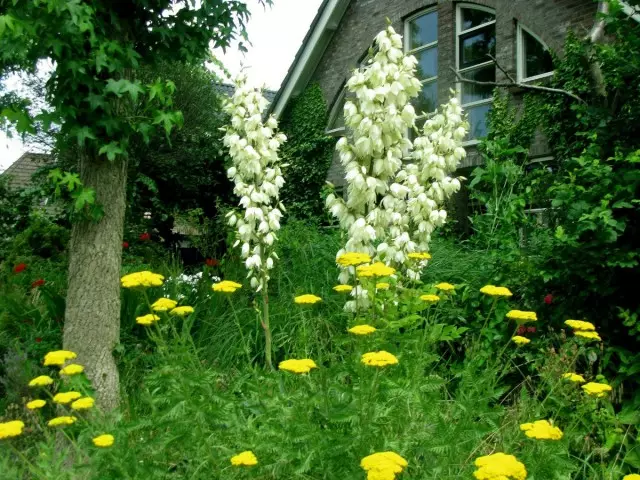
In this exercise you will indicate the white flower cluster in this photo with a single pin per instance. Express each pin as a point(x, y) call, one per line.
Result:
point(253, 146)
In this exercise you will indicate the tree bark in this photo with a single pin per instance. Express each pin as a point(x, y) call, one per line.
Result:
point(92, 316)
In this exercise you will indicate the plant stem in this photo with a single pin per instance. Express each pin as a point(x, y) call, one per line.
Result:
point(245, 345)
point(265, 325)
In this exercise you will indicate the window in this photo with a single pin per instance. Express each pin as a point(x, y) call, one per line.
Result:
point(475, 41)
point(421, 41)
point(534, 58)
point(335, 126)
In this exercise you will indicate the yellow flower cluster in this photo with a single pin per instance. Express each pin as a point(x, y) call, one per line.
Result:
point(64, 420)
point(362, 330)
point(11, 429)
point(103, 441)
point(41, 381)
point(522, 316)
point(307, 299)
point(350, 259)
point(520, 340)
point(494, 291)
point(430, 298)
point(66, 397)
point(244, 459)
point(598, 390)
point(35, 404)
point(182, 311)
point(382, 286)
point(574, 377)
point(72, 369)
point(163, 305)
point(297, 366)
point(445, 287)
point(147, 319)
point(419, 256)
point(377, 269)
point(343, 288)
point(541, 430)
point(226, 286)
point(499, 466)
point(588, 335)
point(379, 359)
point(581, 325)
point(83, 404)
point(632, 476)
point(383, 465)
point(59, 357)
point(142, 279)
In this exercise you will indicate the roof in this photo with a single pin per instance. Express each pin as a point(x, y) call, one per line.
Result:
point(310, 52)
point(24, 167)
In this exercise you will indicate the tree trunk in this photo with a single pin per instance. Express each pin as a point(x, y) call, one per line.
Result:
point(92, 316)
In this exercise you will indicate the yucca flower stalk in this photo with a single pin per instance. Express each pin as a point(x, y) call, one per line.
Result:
point(253, 146)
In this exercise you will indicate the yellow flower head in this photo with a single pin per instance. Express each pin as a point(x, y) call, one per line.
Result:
point(84, 403)
point(377, 269)
point(142, 279)
point(445, 287)
point(382, 286)
point(147, 319)
point(541, 430)
point(163, 305)
point(297, 366)
point(574, 377)
point(66, 420)
point(307, 299)
point(244, 459)
point(66, 397)
point(419, 256)
point(588, 335)
point(41, 381)
point(632, 476)
point(430, 298)
point(522, 316)
point(103, 441)
point(35, 404)
point(598, 390)
point(182, 311)
point(343, 288)
point(350, 259)
point(59, 357)
point(383, 465)
point(520, 340)
point(72, 369)
point(379, 359)
point(581, 325)
point(11, 429)
point(226, 286)
point(494, 291)
point(362, 330)
point(499, 466)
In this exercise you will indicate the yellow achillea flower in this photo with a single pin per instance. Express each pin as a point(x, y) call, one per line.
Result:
point(632, 476)
point(297, 366)
point(362, 329)
point(83, 404)
point(226, 286)
point(419, 256)
point(72, 369)
point(35, 404)
point(382, 286)
point(350, 259)
point(163, 304)
point(41, 381)
point(430, 298)
point(598, 390)
point(494, 291)
point(522, 316)
point(383, 465)
point(182, 311)
point(520, 340)
point(147, 319)
point(343, 288)
point(307, 299)
point(65, 420)
point(499, 466)
point(142, 279)
point(103, 441)
point(574, 377)
point(445, 287)
point(66, 397)
point(58, 357)
point(588, 335)
point(580, 325)
point(377, 269)
point(11, 429)
point(379, 359)
point(541, 430)
point(244, 459)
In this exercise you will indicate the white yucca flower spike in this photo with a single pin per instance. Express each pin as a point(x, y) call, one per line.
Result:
point(253, 146)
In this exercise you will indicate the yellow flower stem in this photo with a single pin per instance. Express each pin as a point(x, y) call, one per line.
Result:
point(31, 466)
point(355, 289)
point(367, 413)
point(245, 345)
point(486, 320)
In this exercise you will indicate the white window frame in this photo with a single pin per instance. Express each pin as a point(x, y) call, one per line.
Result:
point(520, 57)
point(333, 115)
point(459, 31)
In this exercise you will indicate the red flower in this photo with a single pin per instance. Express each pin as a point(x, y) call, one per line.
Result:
point(522, 330)
point(38, 339)
point(125, 244)
point(19, 268)
point(212, 262)
point(531, 329)
point(38, 283)
point(145, 236)
point(548, 299)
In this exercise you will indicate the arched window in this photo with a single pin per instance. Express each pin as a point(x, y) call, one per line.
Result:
point(533, 56)
point(421, 41)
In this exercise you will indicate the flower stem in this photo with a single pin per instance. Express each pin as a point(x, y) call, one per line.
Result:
point(265, 325)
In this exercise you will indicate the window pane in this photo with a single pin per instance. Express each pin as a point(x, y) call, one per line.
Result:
point(427, 99)
point(472, 17)
point(478, 120)
point(473, 93)
point(475, 46)
point(427, 63)
point(537, 59)
point(423, 30)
